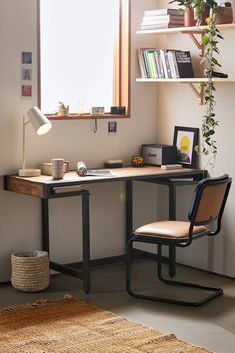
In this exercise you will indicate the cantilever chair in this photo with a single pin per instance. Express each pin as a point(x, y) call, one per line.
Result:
point(204, 217)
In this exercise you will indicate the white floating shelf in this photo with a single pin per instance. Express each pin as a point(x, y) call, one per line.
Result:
point(186, 30)
point(198, 91)
point(186, 80)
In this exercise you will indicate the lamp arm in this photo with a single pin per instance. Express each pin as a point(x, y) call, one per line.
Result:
point(24, 124)
point(41, 125)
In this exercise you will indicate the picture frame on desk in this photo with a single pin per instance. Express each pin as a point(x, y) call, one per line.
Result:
point(186, 138)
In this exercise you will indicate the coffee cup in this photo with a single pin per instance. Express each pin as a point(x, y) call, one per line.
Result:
point(47, 168)
point(57, 168)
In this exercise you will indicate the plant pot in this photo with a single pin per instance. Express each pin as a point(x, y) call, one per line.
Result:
point(63, 111)
point(189, 19)
point(224, 15)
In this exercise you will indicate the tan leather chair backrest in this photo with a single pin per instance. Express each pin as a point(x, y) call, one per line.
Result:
point(211, 202)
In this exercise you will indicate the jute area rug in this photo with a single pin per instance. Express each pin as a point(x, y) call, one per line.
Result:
point(72, 326)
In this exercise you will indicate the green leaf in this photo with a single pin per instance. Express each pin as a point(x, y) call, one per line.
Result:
point(205, 40)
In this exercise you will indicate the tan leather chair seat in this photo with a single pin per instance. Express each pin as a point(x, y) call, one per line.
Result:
point(168, 229)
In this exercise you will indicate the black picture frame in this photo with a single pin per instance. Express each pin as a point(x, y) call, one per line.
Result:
point(185, 139)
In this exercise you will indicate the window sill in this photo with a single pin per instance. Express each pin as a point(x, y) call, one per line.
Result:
point(86, 116)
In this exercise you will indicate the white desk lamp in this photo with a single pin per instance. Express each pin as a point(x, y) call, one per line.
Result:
point(41, 125)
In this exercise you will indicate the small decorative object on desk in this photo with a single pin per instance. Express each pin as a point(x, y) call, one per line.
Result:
point(30, 271)
point(137, 161)
point(113, 163)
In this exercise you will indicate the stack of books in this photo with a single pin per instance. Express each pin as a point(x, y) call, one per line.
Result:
point(165, 63)
point(162, 18)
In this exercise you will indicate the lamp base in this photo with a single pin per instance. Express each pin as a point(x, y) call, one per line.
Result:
point(29, 172)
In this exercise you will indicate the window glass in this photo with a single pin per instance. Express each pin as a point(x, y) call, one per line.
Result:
point(78, 51)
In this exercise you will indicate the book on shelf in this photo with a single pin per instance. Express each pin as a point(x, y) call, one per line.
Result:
point(150, 64)
point(160, 12)
point(159, 64)
point(160, 26)
point(142, 64)
point(165, 63)
point(163, 21)
point(173, 64)
point(184, 64)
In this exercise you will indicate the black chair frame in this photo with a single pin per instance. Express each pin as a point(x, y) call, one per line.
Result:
point(181, 242)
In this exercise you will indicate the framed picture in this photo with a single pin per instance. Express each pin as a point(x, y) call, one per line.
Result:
point(26, 90)
point(112, 127)
point(186, 138)
point(26, 74)
point(26, 57)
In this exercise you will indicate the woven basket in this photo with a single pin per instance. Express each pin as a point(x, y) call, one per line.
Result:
point(30, 271)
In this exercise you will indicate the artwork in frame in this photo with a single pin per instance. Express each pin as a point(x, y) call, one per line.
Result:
point(186, 138)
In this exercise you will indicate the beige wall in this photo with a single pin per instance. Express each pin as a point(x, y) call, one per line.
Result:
point(155, 112)
point(20, 226)
point(178, 106)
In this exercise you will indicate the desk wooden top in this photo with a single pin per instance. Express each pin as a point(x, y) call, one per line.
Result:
point(37, 186)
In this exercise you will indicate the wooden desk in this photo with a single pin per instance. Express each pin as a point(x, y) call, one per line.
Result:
point(45, 188)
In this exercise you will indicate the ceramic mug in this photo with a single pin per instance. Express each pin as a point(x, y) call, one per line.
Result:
point(57, 168)
point(47, 168)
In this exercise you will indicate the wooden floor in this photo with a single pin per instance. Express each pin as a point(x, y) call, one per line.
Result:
point(211, 326)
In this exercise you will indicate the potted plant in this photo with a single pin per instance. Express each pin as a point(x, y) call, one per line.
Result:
point(210, 38)
point(224, 13)
point(202, 9)
point(63, 110)
point(196, 11)
point(187, 7)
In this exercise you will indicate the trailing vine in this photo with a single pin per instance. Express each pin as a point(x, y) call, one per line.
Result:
point(209, 121)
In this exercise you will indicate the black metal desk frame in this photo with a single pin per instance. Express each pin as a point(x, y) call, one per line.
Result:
point(82, 270)
point(67, 268)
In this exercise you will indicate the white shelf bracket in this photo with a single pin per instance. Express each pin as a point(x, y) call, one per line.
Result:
point(198, 91)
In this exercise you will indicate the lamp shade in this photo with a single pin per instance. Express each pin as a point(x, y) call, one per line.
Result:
point(39, 121)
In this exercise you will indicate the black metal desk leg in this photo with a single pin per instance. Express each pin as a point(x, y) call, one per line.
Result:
point(86, 242)
point(129, 208)
point(45, 225)
point(172, 216)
